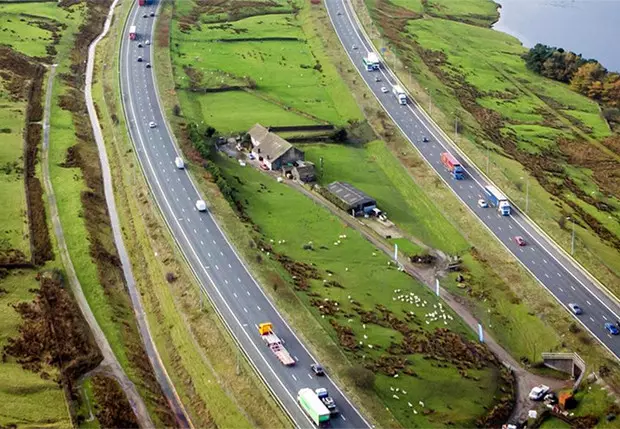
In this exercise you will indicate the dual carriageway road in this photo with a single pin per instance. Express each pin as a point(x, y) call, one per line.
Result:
point(550, 266)
point(222, 275)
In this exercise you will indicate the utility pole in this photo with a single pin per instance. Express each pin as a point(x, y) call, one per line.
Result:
point(572, 238)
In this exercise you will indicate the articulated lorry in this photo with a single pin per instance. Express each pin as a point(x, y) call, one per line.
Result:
point(497, 199)
point(275, 344)
point(453, 166)
point(132, 32)
point(400, 95)
point(313, 407)
point(371, 61)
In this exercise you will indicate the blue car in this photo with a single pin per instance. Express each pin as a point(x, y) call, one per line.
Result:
point(611, 328)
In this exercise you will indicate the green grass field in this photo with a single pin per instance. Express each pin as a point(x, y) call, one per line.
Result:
point(14, 230)
point(311, 85)
point(281, 213)
point(26, 399)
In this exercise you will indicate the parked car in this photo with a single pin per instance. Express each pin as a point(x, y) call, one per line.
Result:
point(148, 42)
point(611, 328)
point(519, 240)
point(575, 308)
point(139, 59)
point(384, 90)
point(148, 65)
point(264, 166)
point(317, 369)
point(539, 392)
point(550, 398)
point(178, 161)
point(482, 204)
point(145, 16)
point(152, 124)
point(152, 13)
point(251, 156)
point(139, 45)
point(201, 206)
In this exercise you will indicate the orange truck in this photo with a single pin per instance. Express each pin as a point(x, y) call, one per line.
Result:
point(275, 344)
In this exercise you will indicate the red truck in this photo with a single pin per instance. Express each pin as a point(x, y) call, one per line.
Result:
point(145, 2)
point(452, 165)
point(132, 32)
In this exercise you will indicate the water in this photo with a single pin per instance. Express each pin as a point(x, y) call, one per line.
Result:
point(588, 27)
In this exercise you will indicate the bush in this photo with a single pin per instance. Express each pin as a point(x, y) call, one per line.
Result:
point(362, 377)
point(176, 110)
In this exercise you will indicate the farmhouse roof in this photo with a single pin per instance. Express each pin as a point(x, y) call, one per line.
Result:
point(273, 147)
point(258, 132)
point(350, 195)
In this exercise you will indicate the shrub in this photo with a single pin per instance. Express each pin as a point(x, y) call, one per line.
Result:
point(362, 377)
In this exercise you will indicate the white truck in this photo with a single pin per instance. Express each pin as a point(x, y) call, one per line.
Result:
point(400, 95)
point(371, 61)
point(313, 406)
point(275, 344)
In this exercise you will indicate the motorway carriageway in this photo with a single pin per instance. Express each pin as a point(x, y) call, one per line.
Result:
point(230, 287)
point(542, 259)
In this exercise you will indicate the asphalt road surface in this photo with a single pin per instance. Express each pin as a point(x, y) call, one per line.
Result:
point(544, 261)
point(229, 285)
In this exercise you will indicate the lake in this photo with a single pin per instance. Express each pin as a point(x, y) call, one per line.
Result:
point(588, 27)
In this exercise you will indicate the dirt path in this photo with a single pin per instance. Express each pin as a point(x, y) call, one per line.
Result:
point(159, 370)
point(109, 363)
point(525, 379)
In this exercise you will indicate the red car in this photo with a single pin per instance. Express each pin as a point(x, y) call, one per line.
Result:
point(264, 167)
point(519, 240)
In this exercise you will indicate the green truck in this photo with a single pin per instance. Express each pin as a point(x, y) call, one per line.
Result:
point(313, 406)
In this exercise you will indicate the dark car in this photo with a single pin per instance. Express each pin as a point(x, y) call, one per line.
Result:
point(317, 369)
point(148, 65)
point(139, 59)
point(575, 308)
point(611, 328)
point(425, 139)
point(152, 13)
point(139, 45)
point(145, 16)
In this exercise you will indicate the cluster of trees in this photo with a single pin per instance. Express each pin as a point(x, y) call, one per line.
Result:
point(204, 141)
point(585, 76)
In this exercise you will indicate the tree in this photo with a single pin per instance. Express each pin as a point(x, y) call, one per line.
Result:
point(176, 110)
point(585, 76)
point(340, 135)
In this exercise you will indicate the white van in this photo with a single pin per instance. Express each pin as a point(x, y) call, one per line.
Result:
point(201, 206)
point(178, 161)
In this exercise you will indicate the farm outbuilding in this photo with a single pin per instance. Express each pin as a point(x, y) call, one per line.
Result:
point(304, 171)
point(351, 199)
point(271, 149)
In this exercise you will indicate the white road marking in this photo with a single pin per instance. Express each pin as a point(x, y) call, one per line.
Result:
point(202, 243)
point(208, 254)
point(561, 290)
point(343, 417)
point(546, 275)
point(310, 376)
point(604, 316)
point(572, 287)
point(217, 268)
point(591, 318)
point(294, 378)
point(221, 253)
point(229, 266)
point(258, 308)
point(545, 261)
point(235, 295)
point(589, 303)
point(225, 281)
point(245, 309)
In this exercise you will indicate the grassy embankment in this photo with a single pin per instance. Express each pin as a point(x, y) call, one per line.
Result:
point(317, 221)
point(530, 127)
point(75, 176)
point(26, 398)
point(189, 340)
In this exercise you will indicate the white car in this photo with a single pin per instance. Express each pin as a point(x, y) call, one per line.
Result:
point(148, 42)
point(538, 392)
point(178, 161)
point(384, 90)
point(482, 204)
point(152, 124)
point(201, 206)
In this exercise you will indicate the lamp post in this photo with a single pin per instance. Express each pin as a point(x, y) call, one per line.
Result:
point(527, 193)
point(430, 102)
point(572, 238)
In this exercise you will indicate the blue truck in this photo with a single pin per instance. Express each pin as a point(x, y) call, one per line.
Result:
point(497, 199)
